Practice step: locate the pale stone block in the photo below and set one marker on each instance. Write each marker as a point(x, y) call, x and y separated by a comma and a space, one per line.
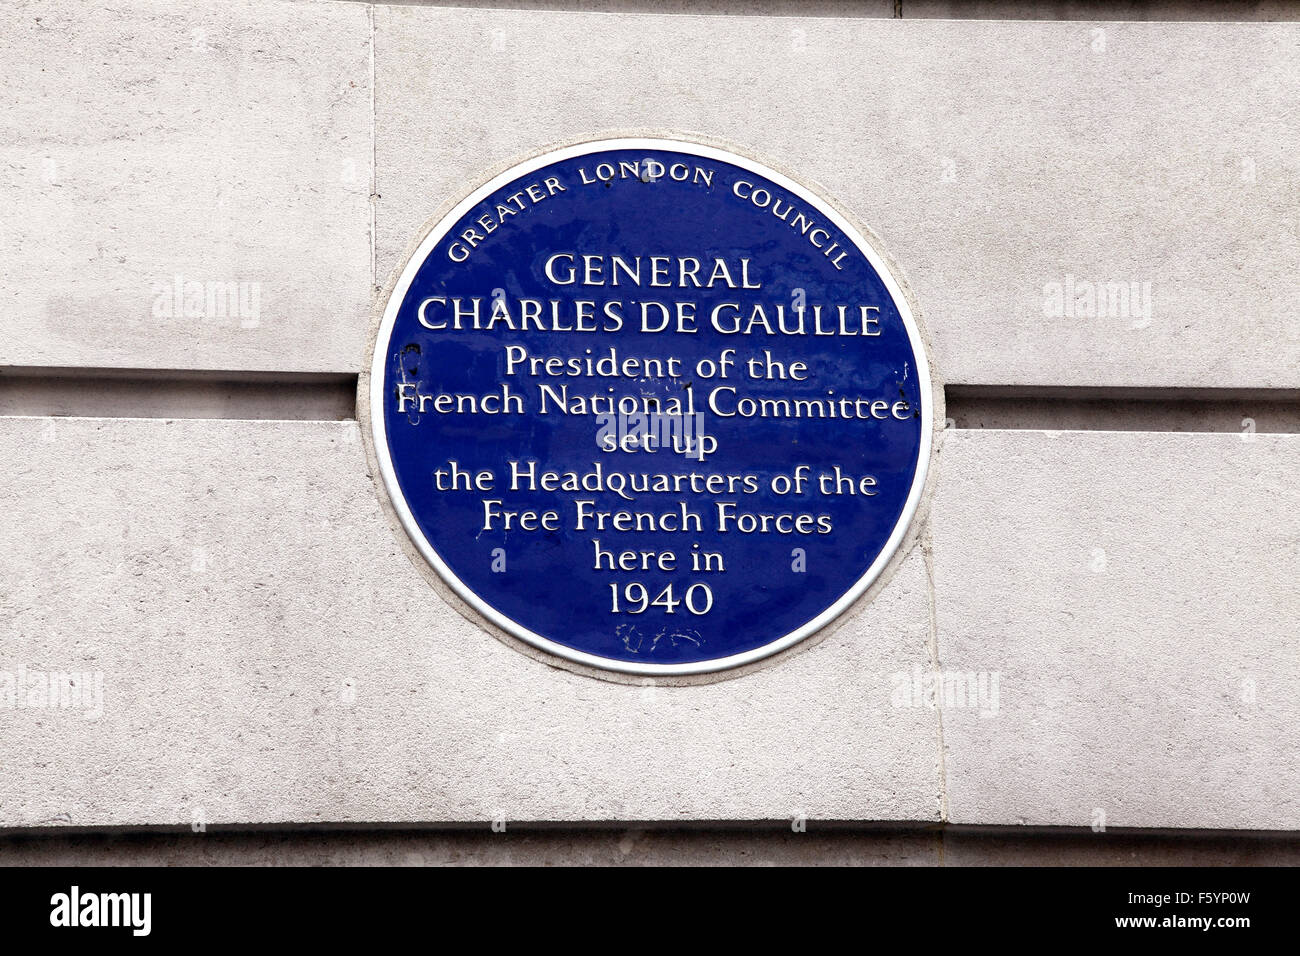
point(219, 148)
point(270, 655)
point(1148, 169)
point(1137, 595)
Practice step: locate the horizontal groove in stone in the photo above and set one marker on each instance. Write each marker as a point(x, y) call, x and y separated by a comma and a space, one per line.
point(1241, 411)
point(299, 396)
point(662, 843)
point(145, 393)
point(1100, 10)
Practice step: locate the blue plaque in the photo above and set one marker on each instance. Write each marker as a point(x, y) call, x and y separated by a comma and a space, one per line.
point(650, 407)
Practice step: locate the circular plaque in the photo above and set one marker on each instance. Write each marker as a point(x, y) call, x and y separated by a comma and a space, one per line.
point(651, 407)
